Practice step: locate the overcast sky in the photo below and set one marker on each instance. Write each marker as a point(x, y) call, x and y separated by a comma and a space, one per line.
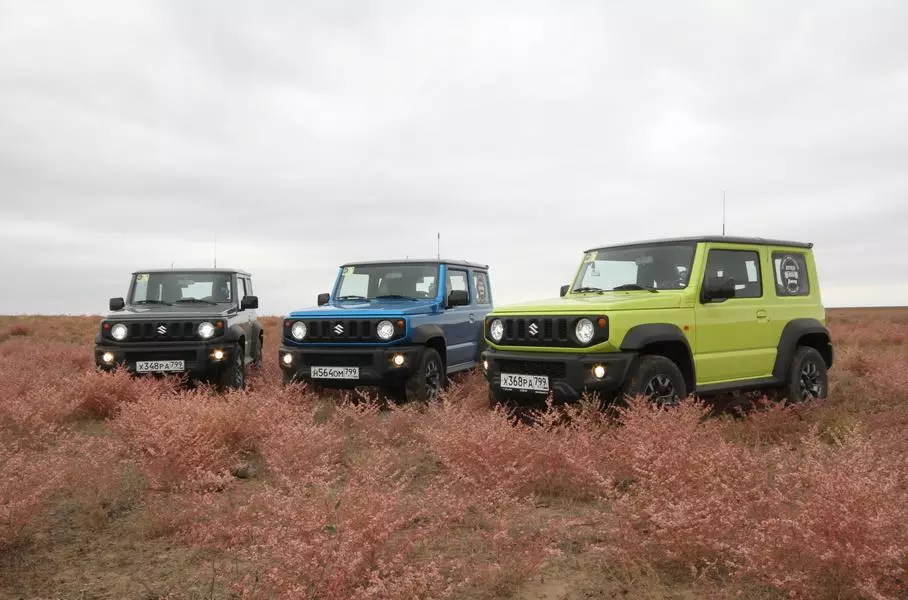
point(306, 134)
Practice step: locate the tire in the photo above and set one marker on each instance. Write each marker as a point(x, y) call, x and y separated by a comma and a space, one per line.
point(807, 378)
point(257, 354)
point(657, 378)
point(428, 379)
point(234, 376)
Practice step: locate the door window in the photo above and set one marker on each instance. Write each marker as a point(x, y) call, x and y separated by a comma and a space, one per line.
point(457, 280)
point(741, 265)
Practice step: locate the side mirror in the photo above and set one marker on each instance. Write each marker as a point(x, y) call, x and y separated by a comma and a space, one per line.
point(323, 299)
point(249, 302)
point(564, 290)
point(458, 298)
point(717, 289)
point(117, 304)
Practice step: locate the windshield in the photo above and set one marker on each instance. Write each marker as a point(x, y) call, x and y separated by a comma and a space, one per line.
point(179, 288)
point(391, 281)
point(653, 268)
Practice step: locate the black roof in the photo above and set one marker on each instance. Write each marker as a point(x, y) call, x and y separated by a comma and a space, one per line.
point(194, 270)
point(416, 261)
point(751, 241)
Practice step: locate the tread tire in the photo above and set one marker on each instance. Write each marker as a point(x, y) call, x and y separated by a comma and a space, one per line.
point(792, 393)
point(416, 388)
point(647, 368)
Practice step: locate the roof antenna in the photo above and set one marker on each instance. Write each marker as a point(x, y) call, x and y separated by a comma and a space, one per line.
point(215, 249)
point(723, 212)
point(438, 246)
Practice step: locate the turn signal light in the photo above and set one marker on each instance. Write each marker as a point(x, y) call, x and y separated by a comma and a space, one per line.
point(602, 322)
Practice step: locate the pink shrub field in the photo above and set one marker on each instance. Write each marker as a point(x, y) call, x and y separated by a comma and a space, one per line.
point(113, 486)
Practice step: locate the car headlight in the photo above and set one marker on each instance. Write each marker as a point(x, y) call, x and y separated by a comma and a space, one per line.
point(496, 330)
point(298, 331)
point(385, 330)
point(118, 332)
point(584, 331)
point(206, 330)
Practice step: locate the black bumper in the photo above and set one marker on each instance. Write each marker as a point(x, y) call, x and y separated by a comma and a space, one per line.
point(376, 366)
point(198, 360)
point(570, 374)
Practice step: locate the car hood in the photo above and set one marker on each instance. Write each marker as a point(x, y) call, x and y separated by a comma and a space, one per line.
point(585, 303)
point(366, 308)
point(180, 311)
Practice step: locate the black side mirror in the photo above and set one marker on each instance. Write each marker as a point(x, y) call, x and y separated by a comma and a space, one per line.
point(458, 298)
point(117, 304)
point(717, 289)
point(323, 299)
point(564, 290)
point(249, 302)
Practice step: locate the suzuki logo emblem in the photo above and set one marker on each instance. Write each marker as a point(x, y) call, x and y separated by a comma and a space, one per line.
point(162, 330)
point(534, 329)
point(338, 329)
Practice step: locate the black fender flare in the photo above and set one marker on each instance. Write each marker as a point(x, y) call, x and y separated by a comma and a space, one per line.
point(640, 336)
point(793, 331)
point(234, 333)
point(421, 334)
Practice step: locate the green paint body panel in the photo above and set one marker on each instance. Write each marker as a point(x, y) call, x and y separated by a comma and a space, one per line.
point(731, 341)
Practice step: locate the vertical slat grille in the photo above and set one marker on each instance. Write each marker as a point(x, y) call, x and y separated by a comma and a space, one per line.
point(543, 331)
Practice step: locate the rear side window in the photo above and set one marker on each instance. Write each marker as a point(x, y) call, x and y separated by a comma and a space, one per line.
point(791, 274)
point(742, 265)
point(481, 283)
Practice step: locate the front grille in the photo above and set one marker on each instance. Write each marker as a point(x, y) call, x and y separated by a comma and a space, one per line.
point(187, 355)
point(344, 330)
point(555, 370)
point(337, 360)
point(554, 332)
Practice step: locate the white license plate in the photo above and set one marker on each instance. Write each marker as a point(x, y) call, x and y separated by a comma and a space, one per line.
point(530, 383)
point(335, 372)
point(160, 366)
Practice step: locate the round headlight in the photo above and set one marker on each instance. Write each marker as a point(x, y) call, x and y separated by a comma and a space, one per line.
point(496, 330)
point(385, 330)
point(118, 332)
point(584, 331)
point(206, 330)
point(298, 331)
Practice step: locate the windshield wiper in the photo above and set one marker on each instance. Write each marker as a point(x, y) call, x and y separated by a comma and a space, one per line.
point(352, 297)
point(588, 289)
point(194, 300)
point(395, 297)
point(634, 286)
point(152, 302)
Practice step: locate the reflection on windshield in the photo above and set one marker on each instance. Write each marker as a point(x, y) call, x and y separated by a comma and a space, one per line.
point(406, 281)
point(184, 288)
point(644, 268)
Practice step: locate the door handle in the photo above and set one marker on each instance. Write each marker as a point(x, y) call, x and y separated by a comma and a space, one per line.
point(762, 315)
point(472, 318)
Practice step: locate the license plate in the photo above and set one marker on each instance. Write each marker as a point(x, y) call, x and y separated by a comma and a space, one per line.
point(160, 366)
point(530, 383)
point(335, 372)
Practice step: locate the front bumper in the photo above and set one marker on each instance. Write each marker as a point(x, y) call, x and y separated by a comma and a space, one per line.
point(198, 360)
point(376, 365)
point(570, 374)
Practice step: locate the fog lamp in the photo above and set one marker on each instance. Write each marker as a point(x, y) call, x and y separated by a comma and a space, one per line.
point(599, 371)
point(398, 359)
point(288, 358)
point(218, 355)
point(107, 357)
point(485, 364)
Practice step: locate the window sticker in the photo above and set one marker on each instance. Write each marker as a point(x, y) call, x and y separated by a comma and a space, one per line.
point(142, 277)
point(349, 271)
point(791, 274)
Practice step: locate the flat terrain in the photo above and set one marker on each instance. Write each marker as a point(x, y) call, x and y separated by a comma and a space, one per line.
point(116, 487)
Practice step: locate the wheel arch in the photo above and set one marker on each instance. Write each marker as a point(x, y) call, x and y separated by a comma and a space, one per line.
point(797, 333)
point(432, 336)
point(664, 339)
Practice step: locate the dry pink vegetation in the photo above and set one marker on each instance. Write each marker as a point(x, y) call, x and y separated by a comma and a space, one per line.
point(113, 486)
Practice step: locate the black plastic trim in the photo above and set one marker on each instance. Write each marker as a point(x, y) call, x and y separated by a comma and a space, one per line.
point(423, 333)
point(788, 343)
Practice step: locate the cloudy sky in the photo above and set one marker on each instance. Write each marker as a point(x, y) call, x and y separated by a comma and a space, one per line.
point(306, 134)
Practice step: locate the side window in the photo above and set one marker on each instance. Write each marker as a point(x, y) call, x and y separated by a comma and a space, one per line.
point(481, 283)
point(457, 280)
point(742, 265)
point(248, 283)
point(241, 290)
point(791, 274)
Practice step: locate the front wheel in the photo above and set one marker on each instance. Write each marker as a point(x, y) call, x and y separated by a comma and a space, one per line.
point(233, 376)
point(656, 378)
point(807, 376)
point(428, 379)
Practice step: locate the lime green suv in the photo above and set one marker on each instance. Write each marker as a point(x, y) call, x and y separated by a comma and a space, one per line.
point(665, 319)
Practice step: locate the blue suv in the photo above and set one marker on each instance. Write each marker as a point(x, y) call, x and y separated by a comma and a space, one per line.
point(403, 326)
